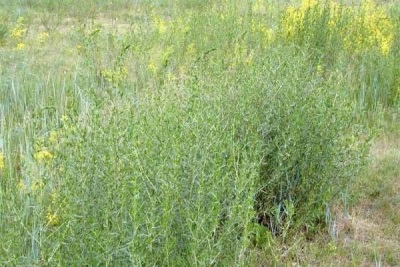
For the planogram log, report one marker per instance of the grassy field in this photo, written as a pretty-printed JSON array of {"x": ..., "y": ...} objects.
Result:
[{"x": 199, "y": 133}]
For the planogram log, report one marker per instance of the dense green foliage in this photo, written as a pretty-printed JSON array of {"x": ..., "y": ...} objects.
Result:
[{"x": 160, "y": 135}]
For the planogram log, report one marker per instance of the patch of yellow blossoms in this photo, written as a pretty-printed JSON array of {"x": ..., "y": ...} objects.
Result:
[
  {"x": 43, "y": 155},
  {"x": 18, "y": 33},
  {"x": 2, "y": 164},
  {"x": 372, "y": 28},
  {"x": 363, "y": 29}
]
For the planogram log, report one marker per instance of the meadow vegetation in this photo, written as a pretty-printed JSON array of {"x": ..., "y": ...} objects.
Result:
[{"x": 199, "y": 133}]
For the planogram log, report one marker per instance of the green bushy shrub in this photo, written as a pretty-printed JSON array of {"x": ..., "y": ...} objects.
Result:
[
  {"x": 163, "y": 183},
  {"x": 312, "y": 146},
  {"x": 176, "y": 176},
  {"x": 163, "y": 144}
]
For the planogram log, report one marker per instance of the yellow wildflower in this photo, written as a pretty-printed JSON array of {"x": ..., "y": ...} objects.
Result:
[
  {"x": 115, "y": 76},
  {"x": 19, "y": 31},
  {"x": 43, "y": 155},
  {"x": 374, "y": 30},
  {"x": 162, "y": 28},
  {"x": 305, "y": 4},
  {"x": 294, "y": 18},
  {"x": 42, "y": 37},
  {"x": 64, "y": 119},
  {"x": 268, "y": 33},
  {"x": 36, "y": 185},
  {"x": 159, "y": 24},
  {"x": 52, "y": 218},
  {"x": 53, "y": 138},
  {"x": 386, "y": 43},
  {"x": 54, "y": 197},
  {"x": 2, "y": 160},
  {"x": 334, "y": 16},
  {"x": 22, "y": 186},
  {"x": 79, "y": 48},
  {"x": 171, "y": 77},
  {"x": 152, "y": 66},
  {"x": 249, "y": 59},
  {"x": 20, "y": 46}
]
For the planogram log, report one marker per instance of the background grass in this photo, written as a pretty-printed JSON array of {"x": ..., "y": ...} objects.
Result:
[{"x": 198, "y": 133}]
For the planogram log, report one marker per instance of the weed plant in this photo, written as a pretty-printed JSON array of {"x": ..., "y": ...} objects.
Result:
[{"x": 182, "y": 133}]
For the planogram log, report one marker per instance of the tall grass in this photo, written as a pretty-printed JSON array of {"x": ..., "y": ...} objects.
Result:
[{"x": 181, "y": 133}]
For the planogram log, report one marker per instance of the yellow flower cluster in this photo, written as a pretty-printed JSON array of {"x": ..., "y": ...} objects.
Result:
[
  {"x": 53, "y": 137},
  {"x": 2, "y": 165},
  {"x": 18, "y": 33},
  {"x": 372, "y": 28},
  {"x": 268, "y": 33},
  {"x": 53, "y": 211},
  {"x": 30, "y": 187},
  {"x": 64, "y": 119},
  {"x": 115, "y": 77},
  {"x": 43, "y": 156},
  {"x": 54, "y": 197},
  {"x": 369, "y": 26},
  {"x": 52, "y": 218},
  {"x": 22, "y": 186},
  {"x": 294, "y": 17},
  {"x": 20, "y": 46},
  {"x": 36, "y": 185},
  {"x": 152, "y": 66},
  {"x": 160, "y": 24},
  {"x": 42, "y": 37},
  {"x": 335, "y": 13}
]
